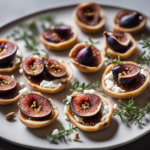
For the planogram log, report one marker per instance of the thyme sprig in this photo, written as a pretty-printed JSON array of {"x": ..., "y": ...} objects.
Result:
[
  {"x": 62, "y": 133},
  {"x": 91, "y": 42},
  {"x": 67, "y": 102},
  {"x": 130, "y": 112},
  {"x": 106, "y": 55},
  {"x": 76, "y": 86},
  {"x": 116, "y": 61},
  {"x": 144, "y": 57}
]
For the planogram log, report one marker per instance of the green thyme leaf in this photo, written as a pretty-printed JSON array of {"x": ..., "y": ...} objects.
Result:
[
  {"x": 91, "y": 42},
  {"x": 62, "y": 133},
  {"x": 106, "y": 55},
  {"x": 116, "y": 61},
  {"x": 130, "y": 112}
]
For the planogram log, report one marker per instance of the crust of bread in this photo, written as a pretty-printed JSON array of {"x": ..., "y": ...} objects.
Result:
[
  {"x": 130, "y": 30},
  {"x": 62, "y": 45},
  {"x": 122, "y": 56},
  {"x": 38, "y": 124},
  {"x": 87, "y": 28},
  {"x": 9, "y": 101},
  {"x": 83, "y": 68},
  {"x": 98, "y": 126},
  {"x": 55, "y": 90},
  {"x": 127, "y": 94}
]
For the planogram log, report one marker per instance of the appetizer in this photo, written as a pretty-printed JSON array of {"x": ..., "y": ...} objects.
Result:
[
  {"x": 125, "y": 80},
  {"x": 10, "y": 89},
  {"x": 89, "y": 17},
  {"x": 46, "y": 75},
  {"x": 129, "y": 21},
  {"x": 36, "y": 111},
  {"x": 87, "y": 58},
  {"x": 119, "y": 44},
  {"x": 89, "y": 111},
  {"x": 10, "y": 57},
  {"x": 59, "y": 37}
]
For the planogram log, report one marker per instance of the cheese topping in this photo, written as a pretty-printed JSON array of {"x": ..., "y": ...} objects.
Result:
[
  {"x": 15, "y": 61},
  {"x": 24, "y": 91}
]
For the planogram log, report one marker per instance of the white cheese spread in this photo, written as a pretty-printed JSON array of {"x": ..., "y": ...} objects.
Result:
[
  {"x": 21, "y": 70},
  {"x": 15, "y": 61},
  {"x": 19, "y": 53},
  {"x": 24, "y": 91},
  {"x": 52, "y": 84},
  {"x": 142, "y": 71}
]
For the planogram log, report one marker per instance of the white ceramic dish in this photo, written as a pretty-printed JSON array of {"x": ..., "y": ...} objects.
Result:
[{"x": 115, "y": 135}]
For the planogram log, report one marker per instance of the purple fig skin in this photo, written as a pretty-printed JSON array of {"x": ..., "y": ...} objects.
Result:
[
  {"x": 128, "y": 78},
  {"x": 85, "y": 56},
  {"x": 114, "y": 44},
  {"x": 130, "y": 21},
  {"x": 61, "y": 29},
  {"x": 4, "y": 60}
]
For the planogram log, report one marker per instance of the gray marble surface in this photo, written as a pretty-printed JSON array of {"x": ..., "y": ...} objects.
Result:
[{"x": 10, "y": 10}]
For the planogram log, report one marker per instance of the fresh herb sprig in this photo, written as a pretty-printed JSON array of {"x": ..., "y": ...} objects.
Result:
[
  {"x": 144, "y": 57},
  {"x": 67, "y": 102},
  {"x": 76, "y": 86},
  {"x": 91, "y": 42},
  {"x": 62, "y": 133},
  {"x": 130, "y": 112},
  {"x": 116, "y": 61},
  {"x": 106, "y": 55}
]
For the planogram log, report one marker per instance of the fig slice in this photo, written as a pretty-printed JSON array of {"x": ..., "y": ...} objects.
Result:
[
  {"x": 7, "y": 83},
  {"x": 53, "y": 68},
  {"x": 35, "y": 106},
  {"x": 7, "y": 52},
  {"x": 86, "y": 105},
  {"x": 85, "y": 56},
  {"x": 126, "y": 74},
  {"x": 131, "y": 20},
  {"x": 33, "y": 66},
  {"x": 117, "y": 41}
]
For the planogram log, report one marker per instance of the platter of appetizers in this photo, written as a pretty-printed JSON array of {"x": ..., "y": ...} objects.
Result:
[{"x": 75, "y": 77}]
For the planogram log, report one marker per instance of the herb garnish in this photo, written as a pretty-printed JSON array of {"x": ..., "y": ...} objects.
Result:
[
  {"x": 76, "y": 86},
  {"x": 130, "y": 112},
  {"x": 142, "y": 57},
  {"x": 67, "y": 102},
  {"x": 106, "y": 55},
  {"x": 91, "y": 42},
  {"x": 116, "y": 61},
  {"x": 62, "y": 133}
]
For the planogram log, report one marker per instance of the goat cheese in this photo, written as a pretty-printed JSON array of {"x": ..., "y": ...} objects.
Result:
[
  {"x": 15, "y": 61},
  {"x": 36, "y": 56},
  {"x": 79, "y": 119},
  {"x": 24, "y": 91},
  {"x": 92, "y": 91},
  {"x": 52, "y": 103},
  {"x": 142, "y": 71},
  {"x": 55, "y": 132},
  {"x": 19, "y": 53},
  {"x": 52, "y": 84},
  {"x": 13, "y": 76},
  {"x": 115, "y": 107},
  {"x": 22, "y": 84},
  {"x": 104, "y": 110},
  {"x": 21, "y": 70},
  {"x": 110, "y": 84}
]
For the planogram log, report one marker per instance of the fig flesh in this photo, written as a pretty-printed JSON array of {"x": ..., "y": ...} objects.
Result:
[
  {"x": 53, "y": 68},
  {"x": 89, "y": 14},
  {"x": 7, "y": 83},
  {"x": 33, "y": 66},
  {"x": 85, "y": 56},
  {"x": 126, "y": 74},
  {"x": 131, "y": 20},
  {"x": 35, "y": 106},
  {"x": 7, "y": 52},
  {"x": 117, "y": 41},
  {"x": 85, "y": 105}
]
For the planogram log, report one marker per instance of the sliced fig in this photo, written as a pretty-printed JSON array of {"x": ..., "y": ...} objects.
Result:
[
  {"x": 126, "y": 74},
  {"x": 85, "y": 56},
  {"x": 7, "y": 83},
  {"x": 35, "y": 106},
  {"x": 89, "y": 14},
  {"x": 7, "y": 52},
  {"x": 131, "y": 20},
  {"x": 53, "y": 68},
  {"x": 33, "y": 66},
  {"x": 62, "y": 30},
  {"x": 86, "y": 105},
  {"x": 117, "y": 41}
]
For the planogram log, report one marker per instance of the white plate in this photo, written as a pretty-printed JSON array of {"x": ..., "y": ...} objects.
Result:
[{"x": 116, "y": 134}]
